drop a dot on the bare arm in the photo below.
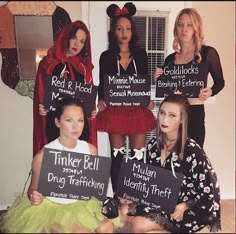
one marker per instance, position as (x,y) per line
(34,196)
(157,73)
(92,149)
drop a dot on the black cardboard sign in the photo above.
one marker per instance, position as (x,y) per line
(149,185)
(127,90)
(73,175)
(56,87)
(188,79)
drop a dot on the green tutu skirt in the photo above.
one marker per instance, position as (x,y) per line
(23,217)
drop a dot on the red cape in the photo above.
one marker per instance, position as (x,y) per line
(55,55)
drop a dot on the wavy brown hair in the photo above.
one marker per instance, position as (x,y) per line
(84,52)
(179,146)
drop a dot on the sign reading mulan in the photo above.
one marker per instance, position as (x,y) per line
(148,185)
(127,90)
(188,79)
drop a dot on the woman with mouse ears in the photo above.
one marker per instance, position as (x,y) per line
(123,57)
(190,48)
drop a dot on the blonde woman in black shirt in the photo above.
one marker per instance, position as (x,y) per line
(189,48)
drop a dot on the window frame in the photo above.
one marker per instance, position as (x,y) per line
(157,101)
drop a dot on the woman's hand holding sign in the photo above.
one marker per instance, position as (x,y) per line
(157,73)
(101,105)
(205,93)
(42,110)
(93,114)
(151,105)
(36,198)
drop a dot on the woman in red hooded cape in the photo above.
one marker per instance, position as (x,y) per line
(56,62)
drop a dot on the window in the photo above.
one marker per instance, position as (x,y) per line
(152,31)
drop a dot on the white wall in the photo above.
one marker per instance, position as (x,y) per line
(16,111)
(220,116)
(16,131)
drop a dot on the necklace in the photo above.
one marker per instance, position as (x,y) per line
(169,143)
(170,140)
(182,58)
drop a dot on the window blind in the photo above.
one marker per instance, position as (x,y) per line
(152,28)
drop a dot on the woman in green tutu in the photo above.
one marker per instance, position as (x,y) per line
(39,214)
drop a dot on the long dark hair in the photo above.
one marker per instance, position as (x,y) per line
(113,43)
(179,146)
(116,13)
(63,102)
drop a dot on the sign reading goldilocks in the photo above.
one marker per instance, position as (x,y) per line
(186,78)
(127,90)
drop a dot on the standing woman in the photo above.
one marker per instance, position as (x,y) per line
(69,58)
(198,204)
(190,49)
(123,58)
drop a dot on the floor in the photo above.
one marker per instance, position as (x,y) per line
(227,218)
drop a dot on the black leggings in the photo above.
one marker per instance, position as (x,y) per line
(196,124)
(115,168)
(116,165)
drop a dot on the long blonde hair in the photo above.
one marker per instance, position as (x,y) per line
(196,21)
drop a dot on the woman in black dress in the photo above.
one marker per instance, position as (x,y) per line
(190,49)
(198,203)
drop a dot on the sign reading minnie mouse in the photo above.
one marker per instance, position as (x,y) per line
(127,90)
(130,85)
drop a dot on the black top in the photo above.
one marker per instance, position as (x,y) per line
(211,57)
(59,68)
(200,189)
(108,66)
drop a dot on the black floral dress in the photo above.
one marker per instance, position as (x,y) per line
(200,190)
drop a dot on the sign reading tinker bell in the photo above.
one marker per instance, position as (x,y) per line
(188,79)
(127,90)
(56,87)
(72,175)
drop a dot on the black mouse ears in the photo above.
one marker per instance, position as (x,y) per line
(128,9)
